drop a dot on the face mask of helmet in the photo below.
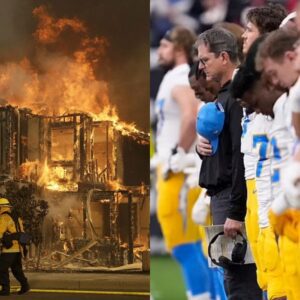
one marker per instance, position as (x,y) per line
(237,255)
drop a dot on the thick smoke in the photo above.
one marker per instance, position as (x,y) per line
(125,66)
(57,78)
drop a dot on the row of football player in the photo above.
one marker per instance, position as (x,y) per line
(267,140)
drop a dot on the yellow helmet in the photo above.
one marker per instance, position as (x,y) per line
(4,202)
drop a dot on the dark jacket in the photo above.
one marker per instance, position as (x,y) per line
(226,167)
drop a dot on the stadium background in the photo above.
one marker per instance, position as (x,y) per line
(197,15)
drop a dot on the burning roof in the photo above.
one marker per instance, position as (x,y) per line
(63,129)
(61,151)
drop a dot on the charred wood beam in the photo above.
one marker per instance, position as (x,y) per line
(48,142)
(78,253)
(84,218)
(130,229)
(82,148)
(107,153)
(75,258)
(76,162)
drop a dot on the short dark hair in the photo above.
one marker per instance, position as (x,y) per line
(247,75)
(237,31)
(276,44)
(218,40)
(267,18)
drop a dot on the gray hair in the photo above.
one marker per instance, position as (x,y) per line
(218,40)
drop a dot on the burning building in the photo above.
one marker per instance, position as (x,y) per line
(103,169)
(60,134)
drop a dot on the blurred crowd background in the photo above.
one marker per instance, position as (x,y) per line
(197,15)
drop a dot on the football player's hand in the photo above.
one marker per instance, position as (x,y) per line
(192,180)
(181,160)
(154,162)
(200,209)
(291,183)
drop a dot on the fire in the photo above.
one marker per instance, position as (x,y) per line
(29,170)
(115,185)
(56,178)
(110,114)
(60,78)
(55,82)
(49,30)
(61,81)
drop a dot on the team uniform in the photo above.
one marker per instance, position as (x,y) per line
(267,246)
(257,173)
(168,128)
(295,97)
(292,172)
(180,233)
(281,143)
(289,187)
(251,219)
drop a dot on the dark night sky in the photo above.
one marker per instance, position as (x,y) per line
(125,23)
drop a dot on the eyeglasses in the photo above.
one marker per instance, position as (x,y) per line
(202,63)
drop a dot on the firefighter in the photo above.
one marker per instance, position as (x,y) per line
(10,257)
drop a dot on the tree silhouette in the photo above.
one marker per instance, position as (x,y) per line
(27,206)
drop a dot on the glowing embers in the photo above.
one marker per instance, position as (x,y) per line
(128,129)
(57,178)
(62,152)
(115,185)
(62,140)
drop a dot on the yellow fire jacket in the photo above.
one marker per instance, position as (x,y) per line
(7,224)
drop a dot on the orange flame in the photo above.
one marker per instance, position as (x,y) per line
(29,170)
(60,81)
(49,29)
(56,178)
(115,185)
(110,114)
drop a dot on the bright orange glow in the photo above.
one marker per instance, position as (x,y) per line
(115,185)
(110,114)
(56,179)
(49,29)
(60,78)
(57,80)
(61,81)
